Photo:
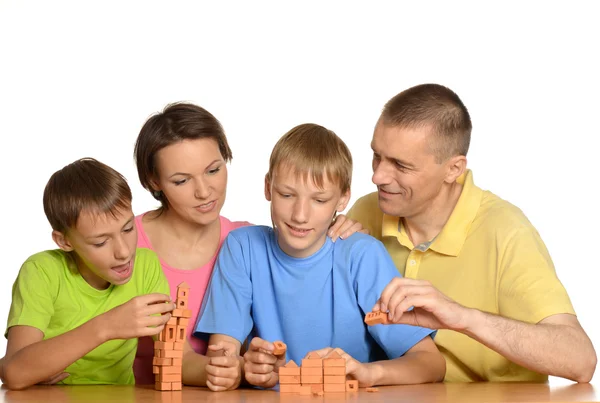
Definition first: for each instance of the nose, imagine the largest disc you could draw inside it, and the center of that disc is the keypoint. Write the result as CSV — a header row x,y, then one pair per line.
x,y
121,249
300,212
381,174
202,190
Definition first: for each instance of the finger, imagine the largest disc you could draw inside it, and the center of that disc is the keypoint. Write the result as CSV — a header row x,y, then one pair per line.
x,y
349,228
56,378
334,228
154,298
365,231
149,331
228,348
154,320
322,352
391,288
255,368
224,361
221,372
258,357
257,379
225,383
406,315
161,308
377,306
258,344
215,388
401,294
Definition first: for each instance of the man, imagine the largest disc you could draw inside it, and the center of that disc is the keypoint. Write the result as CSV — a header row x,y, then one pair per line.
x,y
475,267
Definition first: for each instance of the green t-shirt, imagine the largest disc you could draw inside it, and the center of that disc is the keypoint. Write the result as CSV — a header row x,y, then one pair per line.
x,y
50,294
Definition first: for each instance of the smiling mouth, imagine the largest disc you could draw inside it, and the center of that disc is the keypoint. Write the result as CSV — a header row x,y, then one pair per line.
x,y
387,192
298,231
205,206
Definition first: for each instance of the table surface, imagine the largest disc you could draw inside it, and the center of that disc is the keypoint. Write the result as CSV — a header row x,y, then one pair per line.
x,y
440,392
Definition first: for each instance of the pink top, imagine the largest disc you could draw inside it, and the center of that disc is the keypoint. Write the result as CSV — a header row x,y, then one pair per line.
x,y
197,279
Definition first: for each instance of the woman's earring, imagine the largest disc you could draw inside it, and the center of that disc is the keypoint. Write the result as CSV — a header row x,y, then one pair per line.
x,y
156,194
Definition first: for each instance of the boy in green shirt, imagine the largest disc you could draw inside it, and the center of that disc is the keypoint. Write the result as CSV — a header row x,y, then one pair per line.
x,y
77,311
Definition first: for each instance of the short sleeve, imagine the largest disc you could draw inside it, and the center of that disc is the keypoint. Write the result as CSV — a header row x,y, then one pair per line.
x,y
529,289
374,270
32,300
226,308
155,280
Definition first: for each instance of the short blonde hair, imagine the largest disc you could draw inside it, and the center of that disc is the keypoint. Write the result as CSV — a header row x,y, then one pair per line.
x,y
310,149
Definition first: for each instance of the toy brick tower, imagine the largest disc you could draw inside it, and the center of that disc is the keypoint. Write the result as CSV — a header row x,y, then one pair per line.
x,y
168,349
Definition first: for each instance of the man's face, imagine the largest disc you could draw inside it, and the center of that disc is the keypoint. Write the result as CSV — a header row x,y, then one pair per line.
x,y
405,170
105,247
301,211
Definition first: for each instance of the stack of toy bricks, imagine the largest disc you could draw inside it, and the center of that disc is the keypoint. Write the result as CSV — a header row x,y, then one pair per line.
x,y
316,376
168,349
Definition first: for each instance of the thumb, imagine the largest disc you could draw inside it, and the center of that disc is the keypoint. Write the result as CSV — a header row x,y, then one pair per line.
x,y
377,306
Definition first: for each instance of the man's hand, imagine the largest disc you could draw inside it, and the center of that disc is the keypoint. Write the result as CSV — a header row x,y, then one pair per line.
x,y
135,318
261,366
343,227
432,309
224,372
354,369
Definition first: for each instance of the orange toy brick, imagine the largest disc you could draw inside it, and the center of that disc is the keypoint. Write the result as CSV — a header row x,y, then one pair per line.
x,y
311,371
171,369
182,321
180,333
171,353
162,385
334,379
312,361
163,345
377,318
372,390
183,290
311,379
352,386
169,333
289,388
182,303
334,360
304,390
176,386
168,377
280,348
178,346
289,369
162,361
316,388
334,370
289,379
177,361
334,387
181,313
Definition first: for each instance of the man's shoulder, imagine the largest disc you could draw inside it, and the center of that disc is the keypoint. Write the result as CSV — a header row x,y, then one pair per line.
x,y
495,212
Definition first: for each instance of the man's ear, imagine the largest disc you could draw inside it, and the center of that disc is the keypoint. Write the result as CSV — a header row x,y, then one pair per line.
x,y
267,188
343,202
455,167
61,240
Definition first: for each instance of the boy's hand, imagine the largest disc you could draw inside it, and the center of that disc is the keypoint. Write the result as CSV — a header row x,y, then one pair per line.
x,y
134,318
354,369
343,227
261,366
224,372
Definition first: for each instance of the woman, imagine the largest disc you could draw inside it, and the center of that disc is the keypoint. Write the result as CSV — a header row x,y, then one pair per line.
x,y
181,156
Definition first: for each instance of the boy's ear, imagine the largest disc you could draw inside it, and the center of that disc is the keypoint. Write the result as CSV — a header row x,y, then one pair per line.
x,y
343,202
61,240
267,188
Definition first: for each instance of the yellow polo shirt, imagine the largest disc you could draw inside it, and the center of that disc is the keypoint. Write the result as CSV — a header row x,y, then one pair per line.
x,y
488,256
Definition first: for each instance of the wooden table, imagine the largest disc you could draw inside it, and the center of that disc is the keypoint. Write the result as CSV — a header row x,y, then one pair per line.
x,y
451,392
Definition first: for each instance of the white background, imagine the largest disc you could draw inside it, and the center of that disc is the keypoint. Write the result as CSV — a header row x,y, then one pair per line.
x,y
79,79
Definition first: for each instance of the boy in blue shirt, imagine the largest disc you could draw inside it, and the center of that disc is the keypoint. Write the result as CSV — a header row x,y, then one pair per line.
x,y
292,283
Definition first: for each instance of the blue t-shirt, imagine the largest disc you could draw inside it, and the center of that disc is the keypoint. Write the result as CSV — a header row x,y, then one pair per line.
x,y
308,303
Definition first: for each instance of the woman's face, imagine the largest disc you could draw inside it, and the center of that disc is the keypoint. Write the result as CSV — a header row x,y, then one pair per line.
x,y
192,174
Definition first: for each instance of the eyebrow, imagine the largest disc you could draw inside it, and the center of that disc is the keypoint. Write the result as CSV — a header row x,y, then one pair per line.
x,y
289,188
103,235
186,173
398,160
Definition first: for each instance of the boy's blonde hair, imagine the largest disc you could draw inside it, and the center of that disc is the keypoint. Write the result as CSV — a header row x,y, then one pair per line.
x,y
310,149
85,184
